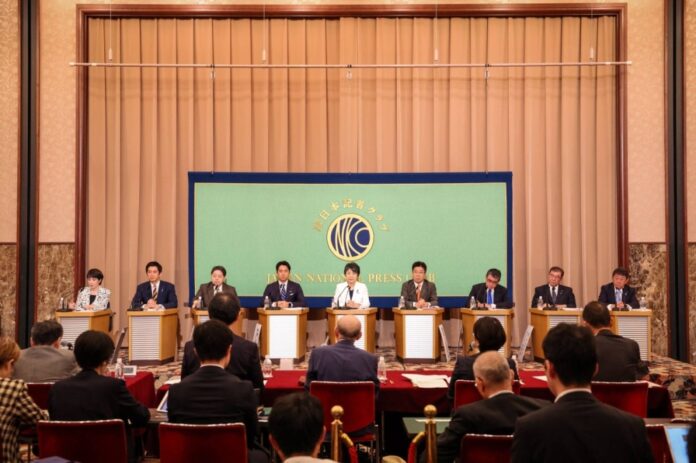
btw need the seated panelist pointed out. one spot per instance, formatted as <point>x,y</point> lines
<point>217,284</point>
<point>284,293</point>
<point>155,293</point>
<point>351,293</point>
<point>419,292</point>
<point>93,296</point>
<point>490,294</point>
<point>618,294</point>
<point>554,294</point>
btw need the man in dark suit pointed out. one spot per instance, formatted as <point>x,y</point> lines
<point>618,358</point>
<point>244,363</point>
<point>343,361</point>
<point>618,293</point>
<point>45,361</point>
<point>283,292</point>
<point>296,427</point>
<point>94,395</point>
<point>496,414</point>
<point>577,427</point>
<point>211,395</point>
<point>216,285</point>
<point>419,292</point>
<point>554,294</point>
<point>155,293</point>
<point>490,294</point>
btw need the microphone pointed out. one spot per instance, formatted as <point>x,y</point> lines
<point>339,298</point>
<point>66,344</point>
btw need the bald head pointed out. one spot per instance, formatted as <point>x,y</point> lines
<point>348,327</point>
<point>492,368</point>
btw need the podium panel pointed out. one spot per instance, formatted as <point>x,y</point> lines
<point>152,336</point>
<point>636,325</point>
<point>504,316</point>
<point>544,320</point>
<point>75,323</point>
<point>417,336</point>
<point>368,319</point>
<point>201,316</point>
<point>283,333</point>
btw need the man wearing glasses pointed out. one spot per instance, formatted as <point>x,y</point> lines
<point>490,294</point>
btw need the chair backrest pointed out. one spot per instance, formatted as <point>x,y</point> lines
<point>357,399</point>
<point>465,392</point>
<point>658,443</point>
<point>486,448</point>
<point>101,441</point>
<point>39,393</point>
<point>629,397</point>
<point>180,443</point>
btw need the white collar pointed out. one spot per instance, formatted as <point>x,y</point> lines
<point>570,391</point>
<point>213,365</point>
<point>505,391</point>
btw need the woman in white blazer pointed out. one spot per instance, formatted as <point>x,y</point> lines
<point>351,293</point>
<point>93,296</point>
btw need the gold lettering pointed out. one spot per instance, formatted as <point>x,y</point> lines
<point>297,277</point>
<point>334,205</point>
<point>359,204</point>
<point>384,227</point>
<point>347,203</point>
<point>270,278</point>
<point>379,217</point>
<point>431,276</point>
<point>317,225</point>
<point>371,210</point>
<point>310,278</point>
<point>370,277</point>
<point>324,214</point>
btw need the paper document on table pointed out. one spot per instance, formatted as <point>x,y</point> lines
<point>174,380</point>
<point>541,378</point>
<point>427,381</point>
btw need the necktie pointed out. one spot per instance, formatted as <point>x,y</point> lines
<point>350,293</point>
<point>418,292</point>
<point>619,295</point>
<point>553,294</point>
<point>489,299</point>
<point>154,293</point>
<point>217,290</point>
<point>283,293</point>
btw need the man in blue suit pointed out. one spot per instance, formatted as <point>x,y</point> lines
<point>155,293</point>
<point>284,293</point>
<point>343,361</point>
<point>617,293</point>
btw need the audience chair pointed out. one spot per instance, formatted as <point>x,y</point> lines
<point>39,393</point>
<point>358,402</point>
<point>465,392</point>
<point>629,397</point>
<point>486,448</point>
<point>84,441</point>
<point>185,443</point>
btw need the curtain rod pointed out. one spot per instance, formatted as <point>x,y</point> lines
<point>349,66</point>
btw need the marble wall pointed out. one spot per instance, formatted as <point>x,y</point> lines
<point>692,300</point>
<point>55,276</point>
<point>648,268</point>
<point>8,289</point>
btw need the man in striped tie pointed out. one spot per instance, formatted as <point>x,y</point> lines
<point>155,293</point>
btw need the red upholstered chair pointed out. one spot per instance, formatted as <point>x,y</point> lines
<point>182,443</point>
<point>629,397</point>
<point>465,392</point>
<point>39,393</point>
<point>658,443</point>
<point>101,441</point>
<point>486,448</point>
<point>358,401</point>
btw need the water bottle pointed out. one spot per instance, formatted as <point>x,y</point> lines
<point>267,367</point>
<point>118,371</point>
<point>643,303</point>
<point>540,303</point>
<point>61,304</point>
<point>382,369</point>
<point>266,303</point>
<point>200,302</point>
<point>472,302</point>
<point>402,303</point>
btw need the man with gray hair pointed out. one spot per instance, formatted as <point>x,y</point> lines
<point>343,361</point>
<point>45,361</point>
<point>495,414</point>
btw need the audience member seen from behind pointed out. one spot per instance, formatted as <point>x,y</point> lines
<point>93,394</point>
<point>489,335</point>
<point>217,284</point>
<point>296,427</point>
<point>245,363</point>
<point>211,395</point>
<point>577,427</point>
<point>45,361</point>
<point>618,358</point>
<point>16,407</point>
<point>495,414</point>
<point>93,296</point>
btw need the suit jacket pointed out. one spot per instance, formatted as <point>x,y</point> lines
<point>294,295</point>
<point>207,291</point>
<point>17,409</point>
<point>564,296</point>
<point>45,364</point>
<point>342,362</point>
<point>213,396</point>
<point>428,292</point>
<point>166,295</point>
<point>607,296</point>
<point>618,357</point>
<point>360,295</point>
<point>579,428</point>
<point>500,295</point>
<point>101,302</point>
<point>496,415</point>
<point>244,363</point>
<point>464,369</point>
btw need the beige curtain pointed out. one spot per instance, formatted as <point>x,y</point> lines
<point>554,128</point>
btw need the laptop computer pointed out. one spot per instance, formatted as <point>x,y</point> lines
<point>162,407</point>
<point>676,438</point>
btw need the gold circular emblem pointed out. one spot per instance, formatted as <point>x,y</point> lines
<point>350,237</point>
